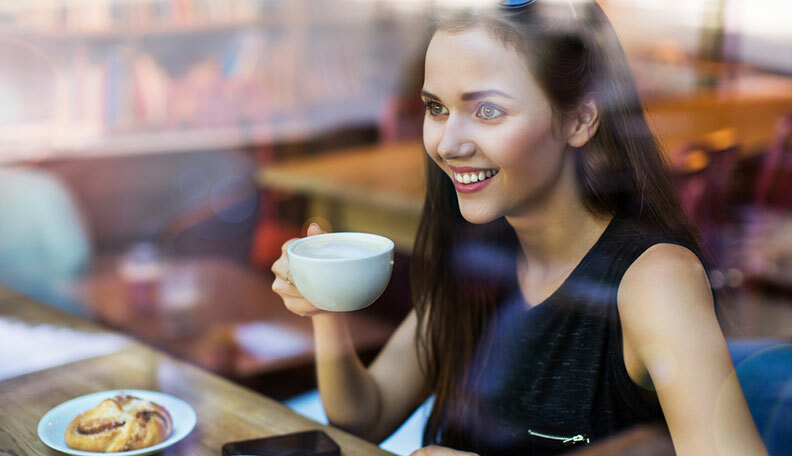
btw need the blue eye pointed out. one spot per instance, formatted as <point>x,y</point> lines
<point>487,111</point>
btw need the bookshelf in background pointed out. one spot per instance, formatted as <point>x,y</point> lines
<point>142,76</point>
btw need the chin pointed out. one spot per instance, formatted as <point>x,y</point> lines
<point>477,216</point>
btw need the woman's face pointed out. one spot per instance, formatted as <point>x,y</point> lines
<point>488,126</point>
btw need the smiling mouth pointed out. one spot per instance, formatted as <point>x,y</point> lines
<point>472,178</point>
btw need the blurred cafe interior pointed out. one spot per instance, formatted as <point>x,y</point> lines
<point>156,154</point>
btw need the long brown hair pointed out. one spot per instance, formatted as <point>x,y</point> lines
<point>573,52</point>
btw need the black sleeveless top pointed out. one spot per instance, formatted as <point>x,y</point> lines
<point>551,377</point>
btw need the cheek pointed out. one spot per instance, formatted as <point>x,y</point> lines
<point>530,148</point>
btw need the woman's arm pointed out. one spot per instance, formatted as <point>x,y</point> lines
<point>671,331</point>
<point>371,402</point>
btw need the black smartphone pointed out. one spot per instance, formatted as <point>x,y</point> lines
<point>310,443</point>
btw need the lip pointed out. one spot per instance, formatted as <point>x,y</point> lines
<point>472,187</point>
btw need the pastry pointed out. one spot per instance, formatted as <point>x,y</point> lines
<point>121,423</point>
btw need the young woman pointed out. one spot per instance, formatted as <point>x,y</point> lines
<point>558,291</point>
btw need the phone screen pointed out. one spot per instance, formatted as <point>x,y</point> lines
<point>311,443</point>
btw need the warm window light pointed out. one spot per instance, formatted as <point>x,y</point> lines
<point>768,18</point>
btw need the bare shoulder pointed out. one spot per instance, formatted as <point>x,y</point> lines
<point>666,285</point>
<point>664,261</point>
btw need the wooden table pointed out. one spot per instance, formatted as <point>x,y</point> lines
<point>226,411</point>
<point>750,108</point>
<point>379,189</point>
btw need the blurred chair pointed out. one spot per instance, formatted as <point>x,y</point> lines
<point>774,183</point>
<point>44,244</point>
<point>766,240</point>
<point>764,369</point>
<point>703,176</point>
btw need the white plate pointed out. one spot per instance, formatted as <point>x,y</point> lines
<point>53,425</point>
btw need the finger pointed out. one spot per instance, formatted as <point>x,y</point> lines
<point>285,245</point>
<point>281,271</point>
<point>314,229</point>
<point>284,290</point>
<point>280,266</point>
<point>284,278</point>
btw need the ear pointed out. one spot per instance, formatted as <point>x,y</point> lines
<point>584,123</point>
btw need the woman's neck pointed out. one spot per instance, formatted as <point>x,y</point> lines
<point>555,235</point>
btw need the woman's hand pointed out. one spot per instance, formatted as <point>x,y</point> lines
<point>435,450</point>
<point>283,285</point>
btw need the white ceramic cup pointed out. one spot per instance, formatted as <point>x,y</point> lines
<point>341,272</point>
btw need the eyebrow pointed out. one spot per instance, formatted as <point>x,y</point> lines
<point>470,95</point>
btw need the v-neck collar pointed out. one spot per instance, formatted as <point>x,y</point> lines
<point>580,267</point>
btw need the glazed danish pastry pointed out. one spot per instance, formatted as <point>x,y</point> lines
<point>121,423</point>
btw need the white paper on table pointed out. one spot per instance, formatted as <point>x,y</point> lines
<point>271,341</point>
<point>26,348</point>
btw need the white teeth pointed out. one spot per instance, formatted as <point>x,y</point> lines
<point>471,178</point>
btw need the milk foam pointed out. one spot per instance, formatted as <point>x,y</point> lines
<point>339,248</point>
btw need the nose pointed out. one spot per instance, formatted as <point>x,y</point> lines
<point>455,142</point>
